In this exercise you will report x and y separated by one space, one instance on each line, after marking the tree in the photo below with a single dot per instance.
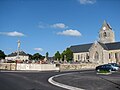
47 54
63 55
36 56
57 55
2 55
69 54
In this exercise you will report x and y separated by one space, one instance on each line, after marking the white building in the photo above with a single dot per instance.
13 56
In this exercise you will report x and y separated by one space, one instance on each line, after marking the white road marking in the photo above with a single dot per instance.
50 80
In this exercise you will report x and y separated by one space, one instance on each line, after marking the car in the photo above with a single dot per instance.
115 65
106 67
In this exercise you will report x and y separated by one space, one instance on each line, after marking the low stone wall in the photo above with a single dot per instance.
82 66
47 67
7 66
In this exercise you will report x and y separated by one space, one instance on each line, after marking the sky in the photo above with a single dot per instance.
53 25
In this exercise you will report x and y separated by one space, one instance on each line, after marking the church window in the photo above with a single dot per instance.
116 55
96 55
104 34
109 56
81 56
78 57
87 56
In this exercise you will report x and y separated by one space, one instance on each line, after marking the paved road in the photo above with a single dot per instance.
90 80
27 81
87 80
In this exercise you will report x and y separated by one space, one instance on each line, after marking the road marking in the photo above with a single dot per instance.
50 80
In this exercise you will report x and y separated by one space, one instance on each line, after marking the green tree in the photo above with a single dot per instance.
47 54
2 55
36 56
57 55
63 54
69 54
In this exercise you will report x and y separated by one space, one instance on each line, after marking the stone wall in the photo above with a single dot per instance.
7 66
47 67
82 66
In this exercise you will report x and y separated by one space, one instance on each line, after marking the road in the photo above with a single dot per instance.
27 81
87 80
90 80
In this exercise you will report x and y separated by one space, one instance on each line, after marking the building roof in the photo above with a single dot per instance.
21 53
86 47
113 46
80 48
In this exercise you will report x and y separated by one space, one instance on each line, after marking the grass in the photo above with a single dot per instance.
104 71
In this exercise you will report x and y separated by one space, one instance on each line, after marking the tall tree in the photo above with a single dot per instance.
47 54
63 54
2 55
69 54
36 56
57 55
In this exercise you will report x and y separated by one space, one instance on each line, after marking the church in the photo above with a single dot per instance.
105 50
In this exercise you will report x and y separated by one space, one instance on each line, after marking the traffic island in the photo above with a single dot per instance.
104 72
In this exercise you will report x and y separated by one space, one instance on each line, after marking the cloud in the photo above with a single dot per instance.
43 25
59 25
13 34
87 1
38 49
56 25
70 32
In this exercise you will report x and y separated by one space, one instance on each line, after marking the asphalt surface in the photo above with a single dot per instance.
87 80
27 81
90 80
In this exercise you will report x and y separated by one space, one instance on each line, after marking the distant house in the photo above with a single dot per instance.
103 51
13 56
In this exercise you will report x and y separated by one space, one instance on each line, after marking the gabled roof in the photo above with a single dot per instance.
80 48
21 53
103 45
113 46
86 47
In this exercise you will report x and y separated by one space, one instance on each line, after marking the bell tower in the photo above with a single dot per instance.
106 34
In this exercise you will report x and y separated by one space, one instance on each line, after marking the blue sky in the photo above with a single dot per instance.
53 25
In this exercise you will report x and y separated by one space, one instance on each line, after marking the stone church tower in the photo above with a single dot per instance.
106 34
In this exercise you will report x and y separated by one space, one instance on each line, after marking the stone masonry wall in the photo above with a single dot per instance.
82 66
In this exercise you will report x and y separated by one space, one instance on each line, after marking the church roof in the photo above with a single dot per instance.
21 53
80 48
113 46
103 45
86 47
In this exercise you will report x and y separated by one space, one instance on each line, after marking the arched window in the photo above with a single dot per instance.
105 34
109 56
96 55
87 56
78 57
115 55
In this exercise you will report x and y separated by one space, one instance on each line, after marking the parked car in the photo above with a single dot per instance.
115 64
106 67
